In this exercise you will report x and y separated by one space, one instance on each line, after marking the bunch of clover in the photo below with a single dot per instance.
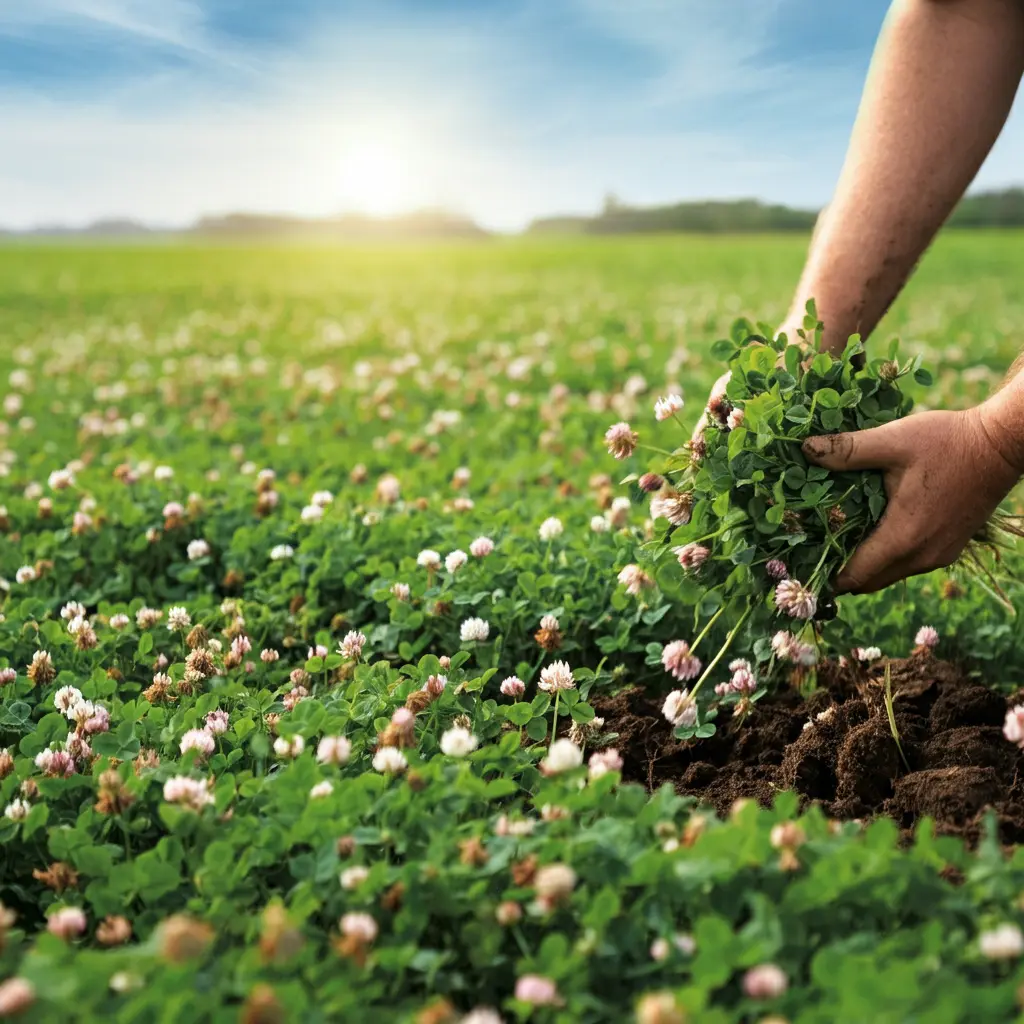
758 531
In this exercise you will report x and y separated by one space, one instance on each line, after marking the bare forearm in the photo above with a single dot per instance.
1002 417
941 84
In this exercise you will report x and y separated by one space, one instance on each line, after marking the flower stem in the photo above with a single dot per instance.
718 657
704 632
554 718
657 451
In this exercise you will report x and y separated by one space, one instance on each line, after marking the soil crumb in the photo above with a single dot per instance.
835 748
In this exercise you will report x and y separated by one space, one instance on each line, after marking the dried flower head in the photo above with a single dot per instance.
621 440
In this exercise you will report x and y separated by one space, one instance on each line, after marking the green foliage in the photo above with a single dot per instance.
335 369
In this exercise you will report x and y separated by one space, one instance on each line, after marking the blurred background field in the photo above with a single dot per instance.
315 358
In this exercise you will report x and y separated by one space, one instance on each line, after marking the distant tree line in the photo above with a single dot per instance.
986 209
1004 209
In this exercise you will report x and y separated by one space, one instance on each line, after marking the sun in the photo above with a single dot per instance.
376 178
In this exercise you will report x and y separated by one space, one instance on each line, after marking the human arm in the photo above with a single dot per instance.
941 85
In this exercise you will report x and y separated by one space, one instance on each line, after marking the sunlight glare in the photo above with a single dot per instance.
376 179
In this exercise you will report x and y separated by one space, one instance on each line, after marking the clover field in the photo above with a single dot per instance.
305 551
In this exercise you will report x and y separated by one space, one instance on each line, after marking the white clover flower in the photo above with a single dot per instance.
556 676
334 750
163 473
321 790
65 698
178 619
197 549
358 926
289 747
1005 942
389 761
667 406
312 514
199 740
474 629
599 524
513 686
455 560
321 499
458 742
481 547
563 756
72 610
17 809
80 712
482 1015
550 529
186 792
279 552
1013 726
679 708
352 645
61 479
428 559
353 877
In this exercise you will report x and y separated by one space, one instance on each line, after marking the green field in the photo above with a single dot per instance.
440 395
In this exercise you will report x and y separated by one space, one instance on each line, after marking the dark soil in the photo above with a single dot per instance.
846 761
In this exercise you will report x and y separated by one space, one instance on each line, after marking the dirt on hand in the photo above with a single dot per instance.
835 748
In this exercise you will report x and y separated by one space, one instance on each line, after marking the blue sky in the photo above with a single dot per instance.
505 109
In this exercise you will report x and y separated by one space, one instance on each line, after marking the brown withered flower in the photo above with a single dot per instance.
182 937
41 671
549 636
113 930
836 518
440 1011
113 797
791 521
280 940
418 701
200 660
262 1006
58 876
392 899
472 852
160 690
146 760
197 637
233 579
524 870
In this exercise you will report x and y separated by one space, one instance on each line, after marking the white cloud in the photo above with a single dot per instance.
710 116
176 25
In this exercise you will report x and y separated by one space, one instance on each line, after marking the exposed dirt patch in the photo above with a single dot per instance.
846 759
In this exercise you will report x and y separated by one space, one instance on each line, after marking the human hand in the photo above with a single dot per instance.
945 473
